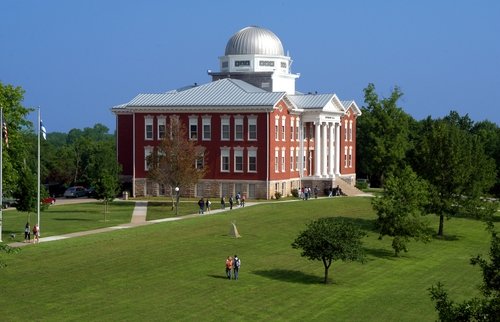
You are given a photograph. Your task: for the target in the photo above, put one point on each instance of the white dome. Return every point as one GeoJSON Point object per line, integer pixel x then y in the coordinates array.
{"type": "Point", "coordinates": [254, 41]}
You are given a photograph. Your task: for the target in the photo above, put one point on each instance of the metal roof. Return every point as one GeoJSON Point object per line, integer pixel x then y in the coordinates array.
{"type": "Point", "coordinates": [311, 101]}
{"type": "Point", "coordinates": [224, 92]}
{"type": "Point", "coordinates": [254, 40]}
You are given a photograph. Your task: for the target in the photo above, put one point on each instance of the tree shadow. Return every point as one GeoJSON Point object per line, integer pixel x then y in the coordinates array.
{"type": "Point", "coordinates": [445, 237]}
{"type": "Point", "coordinates": [381, 253]}
{"type": "Point", "coordinates": [364, 224]}
{"type": "Point", "coordinates": [290, 276]}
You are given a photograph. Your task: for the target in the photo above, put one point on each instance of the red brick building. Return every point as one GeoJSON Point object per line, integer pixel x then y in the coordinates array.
{"type": "Point", "coordinates": [259, 135]}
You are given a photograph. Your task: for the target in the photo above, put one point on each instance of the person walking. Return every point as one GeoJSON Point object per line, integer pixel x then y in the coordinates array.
{"type": "Point", "coordinates": [229, 267]}
{"type": "Point", "coordinates": [27, 233]}
{"type": "Point", "coordinates": [209, 204]}
{"type": "Point", "coordinates": [201, 204]}
{"type": "Point", "coordinates": [243, 200]}
{"type": "Point", "coordinates": [236, 266]}
{"type": "Point", "coordinates": [36, 234]}
{"type": "Point", "coordinates": [231, 202]}
{"type": "Point", "coordinates": [223, 203]}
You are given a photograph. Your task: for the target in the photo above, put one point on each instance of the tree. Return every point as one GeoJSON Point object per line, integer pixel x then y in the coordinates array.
{"type": "Point", "coordinates": [103, 172]}
{"type": "Point", "coordinates": [330, 239]}
{"type": "Point", "coordinates": [484, 308]}
{"type": "Point", "coordinates": [453, 161]}
{"type": "Point", "coordinates": [489, 134]}
{"type": "Point", "coordinates": [400, 209]}
{"type": "Point", "coordinates": [382, 136]}
{"type": "Point", "coordinates": [16, 151]}
{"type": "Point", "coordinates": [174, 162]}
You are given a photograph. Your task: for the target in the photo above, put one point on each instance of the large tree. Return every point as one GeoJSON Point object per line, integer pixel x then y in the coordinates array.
{"type": "Point", "coordinates": [401, 208]}
{"type": "Point", "coordinates": [176, 162]}
{"type": "Point", "coordinates": [330, 239]}
{"type": "Point", "coordinates": [382, 135]}
{"type": "Point", "coordinates": [16, 147]}
{"type": "Point", "coordinates": [453, 161]}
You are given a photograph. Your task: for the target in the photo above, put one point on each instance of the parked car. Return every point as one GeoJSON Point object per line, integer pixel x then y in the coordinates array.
{"type": "Point", "coordinates": [75, 192]}
{"type": "Point", "coordinates": [49, 201]}
{"type": "Point", "coordinates": [91, 193]}
{"type": "Point", "coordinates": [8, 202]}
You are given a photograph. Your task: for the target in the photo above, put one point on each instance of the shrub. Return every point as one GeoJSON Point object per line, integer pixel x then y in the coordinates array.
{"type": "Point", "coordinates": [295, 192]}
{"type": "Point", "coordinates": [277, 195]}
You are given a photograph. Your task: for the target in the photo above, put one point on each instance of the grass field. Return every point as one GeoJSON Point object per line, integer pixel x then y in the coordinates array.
{"type": "Point", "coordinates": [175, 271]}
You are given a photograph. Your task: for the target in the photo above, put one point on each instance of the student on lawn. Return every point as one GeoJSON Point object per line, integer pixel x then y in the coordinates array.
{"type": "Point", "coordinates": [229, 267]}
{"type": "Point", "coordinates": [236, 266]}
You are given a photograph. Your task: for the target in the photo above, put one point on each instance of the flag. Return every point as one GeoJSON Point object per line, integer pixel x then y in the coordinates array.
{"type": "Point", "coordinates": [43, 131]}
{"type": "Point", "coordinates": [5, 134]}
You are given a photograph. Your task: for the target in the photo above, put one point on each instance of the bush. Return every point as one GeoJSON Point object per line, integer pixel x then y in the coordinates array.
{"type": "Point", "coordinates": [362, 184]}
{"type": "Point", "coordinates": [295, 193]}
{"type": "Point", "coordinates": [277, 195]}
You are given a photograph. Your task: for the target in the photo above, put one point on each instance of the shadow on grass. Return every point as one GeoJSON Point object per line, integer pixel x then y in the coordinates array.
{"type": "Point", "coordinates": [380, 253]}
{"type": "Point", "coordinates": [218, 276]}
{"type": "Point", "coordinates": [72, 219]}
{"type": "Point", "coordinates": [446, 237]}
{"type": "Point", "coordinates": [290, 276]}
{"type": "Point", "coordinates": [364, 224]}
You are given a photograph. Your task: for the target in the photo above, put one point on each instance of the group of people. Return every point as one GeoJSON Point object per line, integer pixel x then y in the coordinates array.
{"type": "Point", "coordinates": [27, 233]}
{"type": "Point", "coordinates": [232, 267]}
{"type": "Point", "coordinates": [204, 206]}
{"type": "Point", "coordinates": [335, 191]}
{"type": "Point", "coordinates": [306, 193]}
{"type": "Point", "coordinates": [239, 198]}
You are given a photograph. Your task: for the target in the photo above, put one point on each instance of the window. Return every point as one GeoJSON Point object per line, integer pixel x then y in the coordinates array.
{"type": "Point", "coordinates": [238, 187]}
{"type": "Point", "coordinates": [193, 127]}
{"type": "Point", "coordinates": [148, 128]}
{"type": "Point", "coordinates": [252, 160]}
{"type": "Point", "coordinates": [252, 128]}
{"type": "Point", "coordinates": [297, 124]}
{"type": "Point", "coordinates": [276, 129]}
{"type": "Point", "coordinates": [225, 129]}
{"type": "Point", "coordinates": [148, 150]}
{"type": "Point", "coordinates": [238, 160]}
{"type": "Point", "coordinates": [350, 130]}
{"type": "Point", "coordinates": [283, 121]}
{"type": "Point", "coordinates": [225, 190]}
{"type": "Point", "coordinates": [268, 63]}
{"type": "Point", "coordinates": [283, 164]}
{"type": "Point", "coordinates": [276, 160]}
{"type": "Point", "coordinates": [345, 157]}
{"type": "Point", "coordinates": [350, 157]}
{"type": "Point", "coordinates": [207, 128]}
{"type": "Point", "coordinates": [224, 160]}
{"type": "Point", "coordinates": [292, 161]}
{"type": "Point", "coordinates": [161, 128]}
{"type": "Point", "coordinates": [251, 190]}
{"type": "Point", "coordinates": [239, 63]}
{"type": "Point", "coordinates": [297, 159]}
{"type": "Point", "coordinates": [200, 161]}
{"type": "Point", "coordinates": [238, 128]}
{"type": "Point", "coordinates": [292, 128]}
{"type": "Point", "coordinates": [345, 131]}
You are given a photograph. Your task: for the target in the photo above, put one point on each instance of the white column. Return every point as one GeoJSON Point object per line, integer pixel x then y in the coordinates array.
{"type": "Point", "coordinates": [323, 151]}
{"type": "Point", "coordinates": [330, 150]}
{"type": "Point", "coordinates": [337, 149]}
{"type": "Point", "coordinates": [317, 149]}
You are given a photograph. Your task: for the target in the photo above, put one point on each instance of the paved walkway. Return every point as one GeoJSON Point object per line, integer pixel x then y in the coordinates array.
{"type": "Point", "coordinates": [138, 219]}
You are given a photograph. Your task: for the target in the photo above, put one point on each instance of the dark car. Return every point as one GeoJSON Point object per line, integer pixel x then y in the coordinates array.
{"type": "Point", "coordinates": [91, 193]}
{"type": "Point", "coordinates": [75, 192]}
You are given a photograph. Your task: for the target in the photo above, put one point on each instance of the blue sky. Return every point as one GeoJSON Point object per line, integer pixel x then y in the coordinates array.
{"type": "Point", "coordinates": [77, 59]}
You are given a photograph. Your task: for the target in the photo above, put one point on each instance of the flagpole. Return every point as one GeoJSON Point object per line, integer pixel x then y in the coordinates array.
{"type": "Point", "coordinates": [38, 173]}
{"type": "Point", "coordinates": [1, 175]}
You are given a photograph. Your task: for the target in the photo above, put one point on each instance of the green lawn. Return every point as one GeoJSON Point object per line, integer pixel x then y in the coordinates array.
{"type": "Point", "coordinates": [63, 219]}
{"type": "Point", "coordinates": [175, 271]}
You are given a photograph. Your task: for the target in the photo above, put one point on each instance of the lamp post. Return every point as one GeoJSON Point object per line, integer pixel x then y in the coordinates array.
{"type": "Point", "coordinates": [176, 200]}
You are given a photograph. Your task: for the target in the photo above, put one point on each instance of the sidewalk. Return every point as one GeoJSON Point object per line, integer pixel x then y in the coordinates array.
{"type": "Point", "coordinates": [138, 219]}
